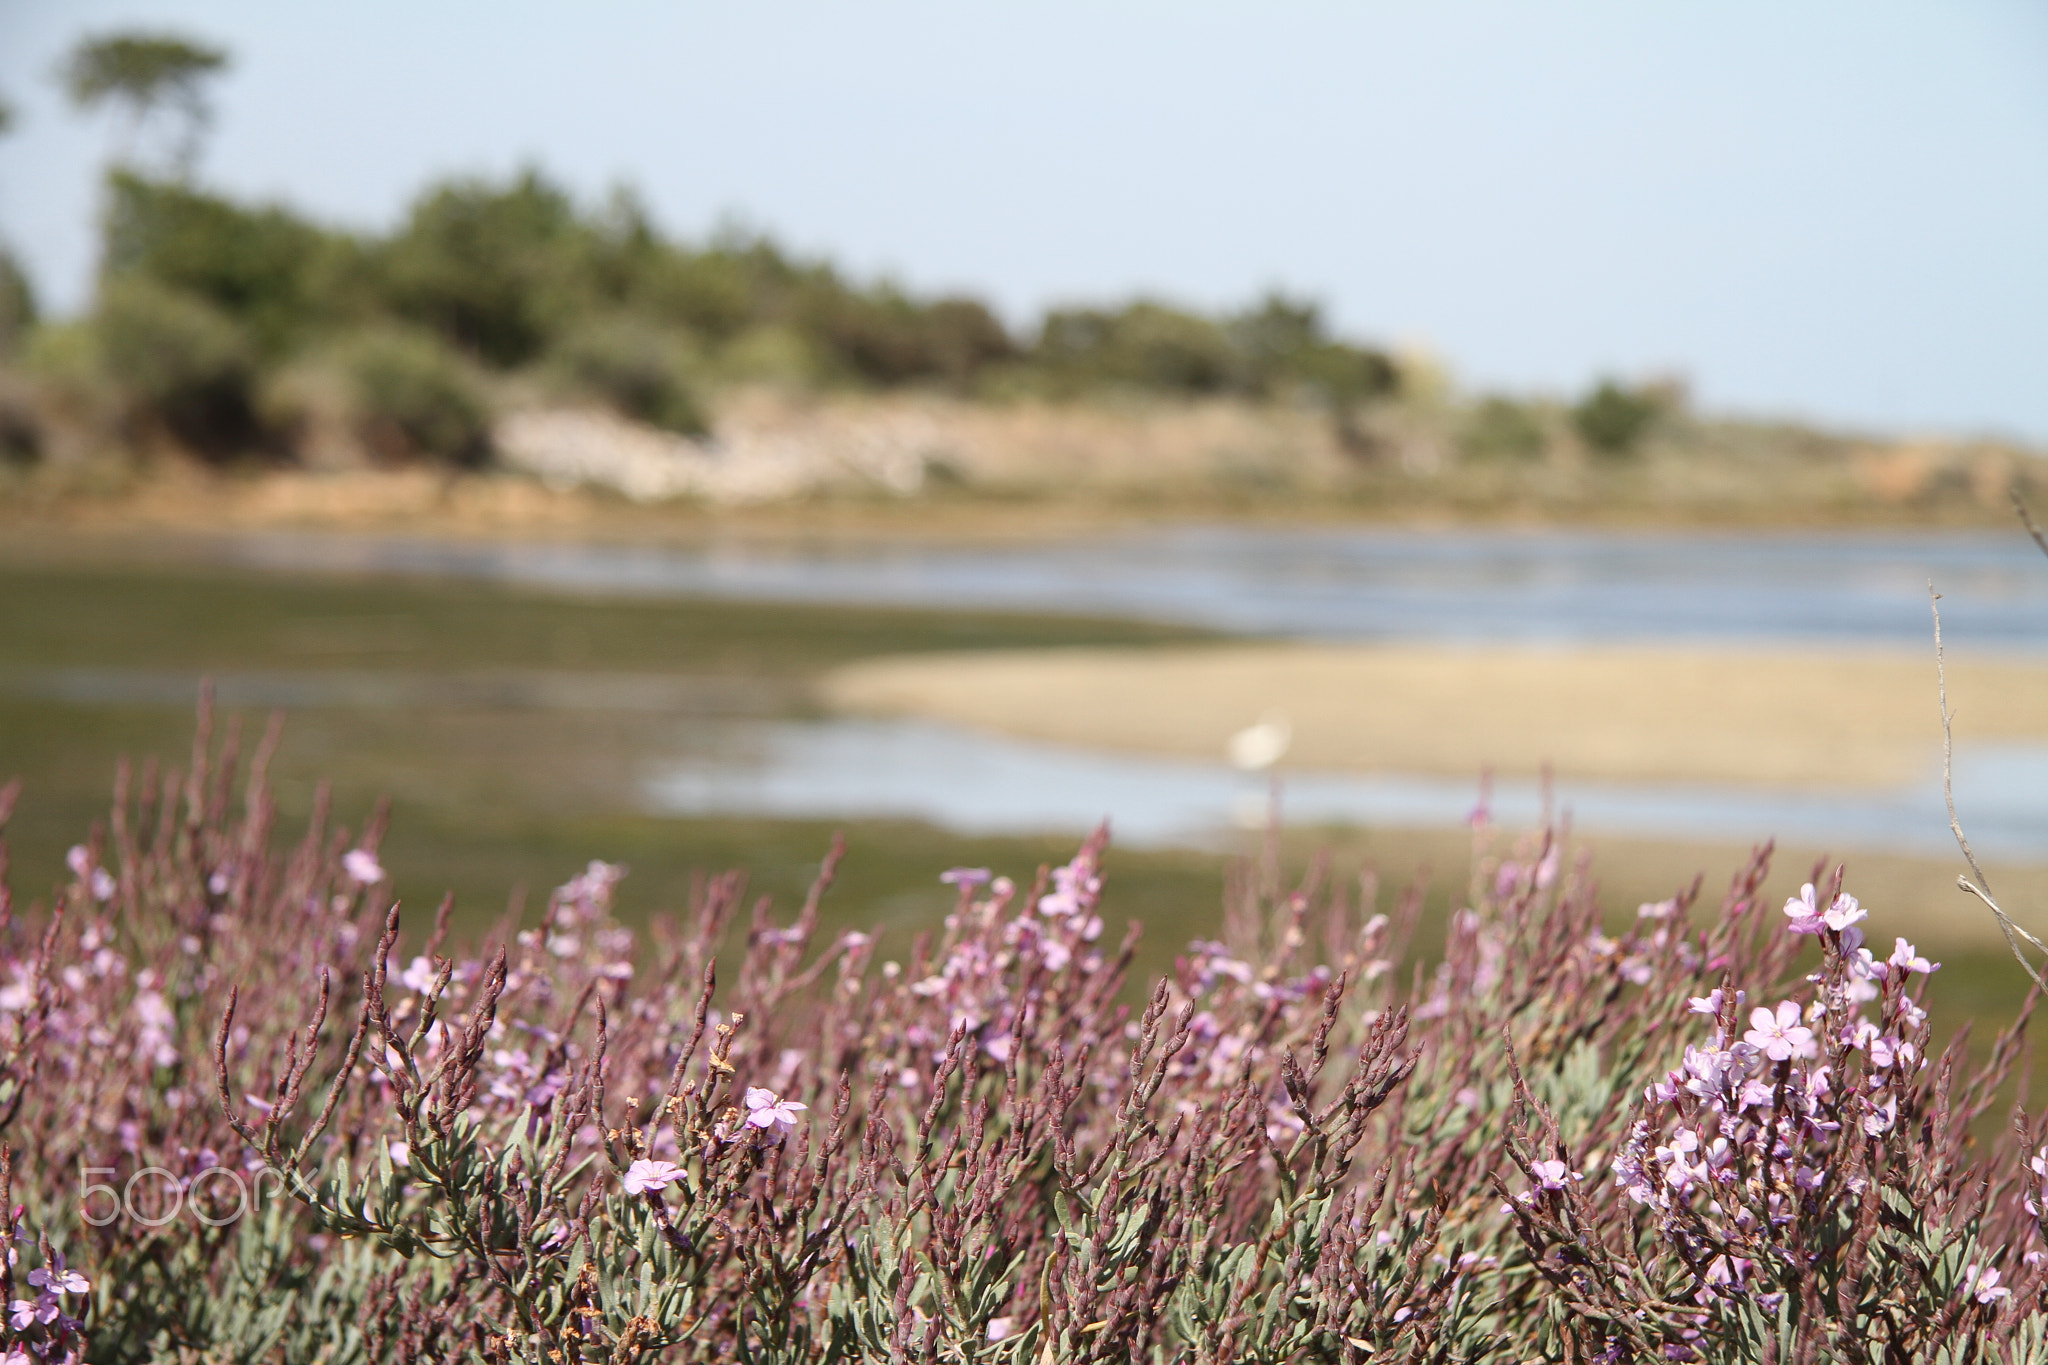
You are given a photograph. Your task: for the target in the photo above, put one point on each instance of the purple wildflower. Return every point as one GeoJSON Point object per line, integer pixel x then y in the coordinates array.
{"type": "Point", "coordinates": [362, 866]}
{"type": "Point", "coordinates": [643, 1176]}
{"type": "Point", "coordinates": [766, 1110]}
{"type": "Point", "coordinates": [1844, 912]}
{"type": "Point", "coordinates": [1907, 958]}
{"type": "Point", "coordinates": [1982, 1285]}
{"type": "Point", "coordinates": [1804, 911]}
{"type": "Point", "coordinates": [57, 1280]}
{"type": "Point", "coordinates": [1780, 1036]}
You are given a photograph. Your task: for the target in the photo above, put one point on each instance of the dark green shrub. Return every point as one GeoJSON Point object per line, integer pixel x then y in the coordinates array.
{"type": "Point", "coordinates": [885, 337]}
{"type": "Point", "coordinates": [17, 306]}
{"type": "Point", "coordinates": [21, 431]}
{"type": "Point", "coordinates": [878, 338]}
{"type": "Point", "coordinates": [416, 398]}
{"type": "Point", "coordinates": [716, 294]}
{"type": "Point", "coordinates": [1502, 429]}
{"type": "Point", "coordinates": [1613, 418]}
{"type": "Point", "coordinates": [495, 271]}
{"type": "Point", "coordinates": [264, 267]}
{"type": "Point", "coordinates": [963, 338]}
{"type": "Point", "coordinates": [642, 370]}
{"type": "Point", "coordinates": [178, 363]}
{"type": "Point", "coordinates": [1146, 345]}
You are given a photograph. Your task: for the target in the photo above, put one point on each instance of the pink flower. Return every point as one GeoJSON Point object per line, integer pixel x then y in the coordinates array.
{"type": "Point", "coordinates": [1682, 1142]}
{"type": "Point", "coordinates": [999, 1328]}
{"type": "Point", "coordinates": [1844, 912]}
{"type": "Point", "coordinates": [1983, 1285]}
{"type": "Point", "coordinates": [1804, 911]}
{"type": "Point", "coordinates": [1555, 1175]}
{"type": "Point", "coordinates": [1710, 1003]}
{"type": "Point", "coordinates": [58, 1280]}
{"type": "Point", "coordinates": [362, 866]}
{"type": "Point", "coordinates": [1907, 959]}
{"type": "Point", "coordinates": [643, 1176]}
{"type": "Point", "coordinates": [965, 877]}
{"type": "Point", "coordinates": [1780, 1036]}
{"type": "Point", "coordinates": [1705, 1073]}
{"type": "Point", "coordinates": [766, 1110]}
{"type": "Point", "coordinates": [1681, 1174]}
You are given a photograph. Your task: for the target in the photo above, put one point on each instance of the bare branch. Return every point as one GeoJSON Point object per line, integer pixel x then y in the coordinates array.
{"type": "Point", "coordinates": [1982, 889]}
{"type": "Point", "coordinates": [2027, 519]}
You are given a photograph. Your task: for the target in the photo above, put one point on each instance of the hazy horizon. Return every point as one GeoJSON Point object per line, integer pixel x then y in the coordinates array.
{"type": "Point", "coordinates": [1815, 211]}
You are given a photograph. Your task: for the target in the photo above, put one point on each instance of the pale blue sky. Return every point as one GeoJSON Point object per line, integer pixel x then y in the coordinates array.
{"type": "Point", "coordinates": [1835, 210]}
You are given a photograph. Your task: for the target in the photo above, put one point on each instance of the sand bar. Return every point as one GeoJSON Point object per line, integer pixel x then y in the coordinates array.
{"type": "Point", "coordinates": [1746, 716]}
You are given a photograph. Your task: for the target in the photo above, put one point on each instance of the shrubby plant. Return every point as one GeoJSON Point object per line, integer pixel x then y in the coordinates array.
{"type": "Point", "coordinates": [183, 368]}
{"type": "Point", "coordinates": [414, 396]}
{"type": "Point", "coordinates": [1614, 418]}
{"type": "Point", "coordinates": [1502, 429]}
{"type": "Point", "coordinates": [254, 1111]}
{"type": "Point", "coordinates": [642, 371]}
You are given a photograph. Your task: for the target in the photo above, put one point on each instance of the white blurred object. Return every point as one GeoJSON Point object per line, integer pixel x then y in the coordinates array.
{"type": "Point", "coordinates": [1258, 747]}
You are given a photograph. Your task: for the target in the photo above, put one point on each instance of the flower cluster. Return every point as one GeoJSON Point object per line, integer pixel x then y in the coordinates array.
{"type": "Point", "coordinates": [311, 1128]}
{"type": "Point", "coordinates": [1798, 1166]}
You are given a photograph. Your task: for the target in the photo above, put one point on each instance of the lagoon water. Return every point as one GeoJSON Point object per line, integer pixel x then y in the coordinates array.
{"type": "Point", "coordinates": [962, 779]}
{"type": "Point", "coordinates": [1535, 587]}
{"type": "Point", "coordinates": [1331, 584]}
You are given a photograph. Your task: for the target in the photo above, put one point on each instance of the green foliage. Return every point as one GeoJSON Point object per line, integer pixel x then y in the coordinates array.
{"type": "Point", "coordinates": [641, 369]}
{"type": "Point", "coordinates": [148, 73]}
{"type": "Point", "coordinates": [178, 362]}
{"type": "Point", "coordinates": [139, 68]}
{"type": "Point", "coordinates": [17, 305]}
{"type": "Point", "coordinates": [1284, 342]}
{"type": "Point", "coordinates": [1145, 345]}
{"type": "Point", "coordinates": [261, 266]}
{"type": "Point", "coordinates": [21, 434]}
{"type": "Point", "coordinates": [1614, 418]}
{"type": "Point", "coordinates": [414, 396]}
{"type": "Point", "coordinates": [1502, 429]}
{"type": "Point", "coordinates": [883, 337]}
{"type": "Point", "coordinates": [513, 275]}
{"type": "Point", "coordinates": [492, 270]}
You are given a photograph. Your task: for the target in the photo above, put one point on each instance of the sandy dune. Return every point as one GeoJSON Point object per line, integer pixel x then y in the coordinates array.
{"type": "Point", "coordinates": [1748, 716]}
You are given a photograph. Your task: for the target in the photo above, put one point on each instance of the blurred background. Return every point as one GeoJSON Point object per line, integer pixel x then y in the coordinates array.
{"type": "Point", "coordinates": [671, 433]}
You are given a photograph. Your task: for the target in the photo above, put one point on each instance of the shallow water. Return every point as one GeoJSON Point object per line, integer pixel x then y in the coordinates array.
{"type": "Point", "coordinates": [961, 779]}
{"type": "Point", "coordinates": [1536, 587]}
{"type": "Point", "coordinates": [1327, 584]}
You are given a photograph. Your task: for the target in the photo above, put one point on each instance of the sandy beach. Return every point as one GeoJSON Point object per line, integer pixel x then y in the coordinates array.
{"type": "Point", "coordinates": [1759, 717]}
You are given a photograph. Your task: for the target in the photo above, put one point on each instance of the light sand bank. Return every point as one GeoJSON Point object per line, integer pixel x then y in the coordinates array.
{"type": "Point", "coordinates": [1746, 716]}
